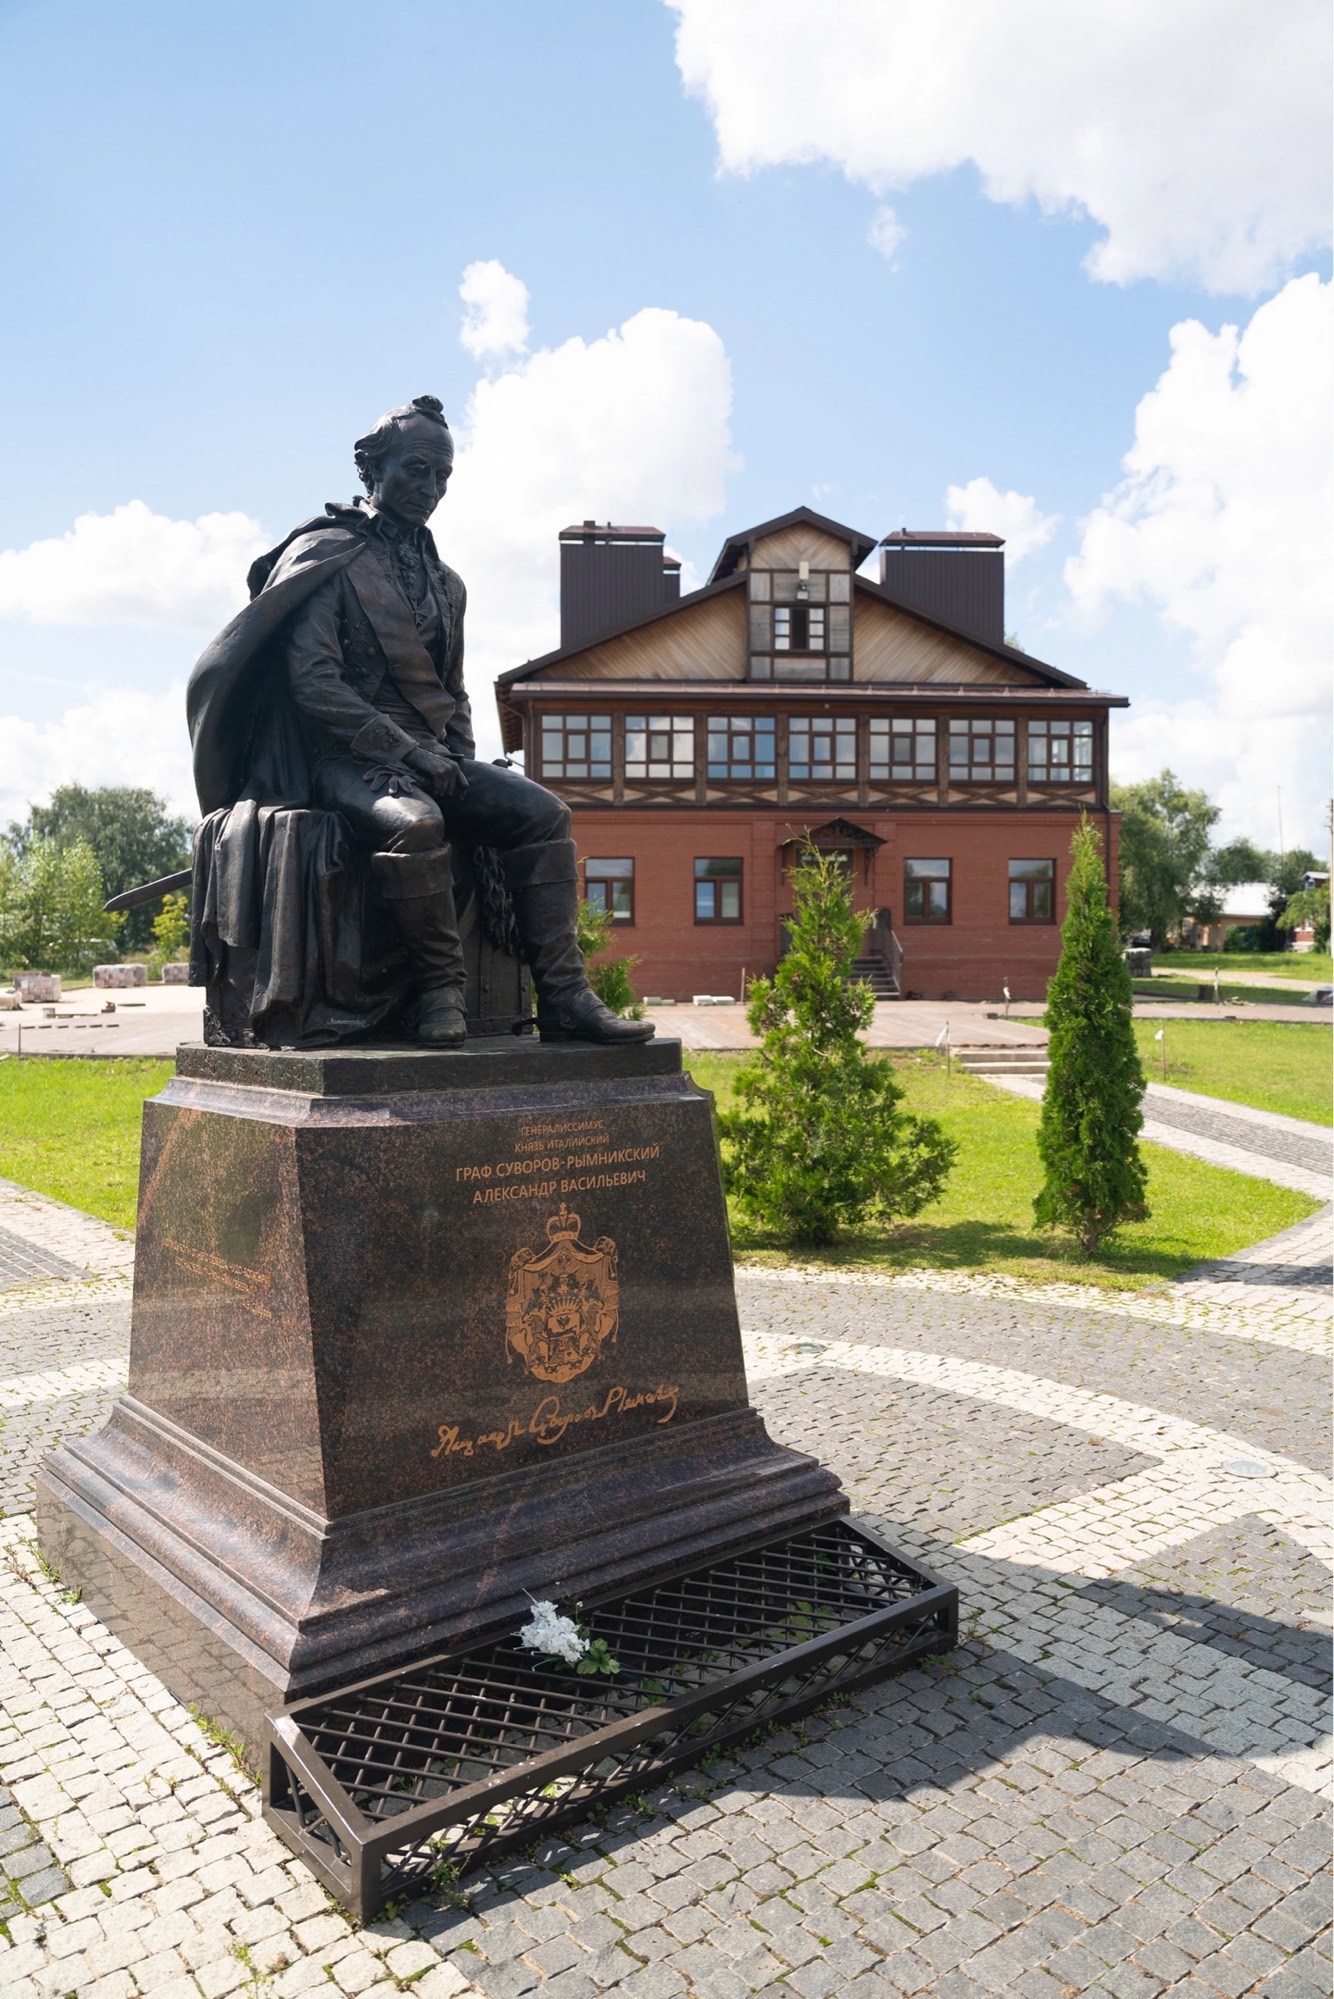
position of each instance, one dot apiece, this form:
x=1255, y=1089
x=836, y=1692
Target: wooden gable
x=800, y=542
x=703, y=641
x=889, y=645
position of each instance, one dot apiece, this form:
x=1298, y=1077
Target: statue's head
x=405, y=462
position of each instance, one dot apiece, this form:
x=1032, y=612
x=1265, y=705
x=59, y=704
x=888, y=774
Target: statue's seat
x=297, y=949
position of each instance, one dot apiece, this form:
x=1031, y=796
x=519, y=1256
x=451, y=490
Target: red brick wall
x=971, y=958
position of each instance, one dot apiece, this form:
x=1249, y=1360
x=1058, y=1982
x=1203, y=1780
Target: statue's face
x=414, y=472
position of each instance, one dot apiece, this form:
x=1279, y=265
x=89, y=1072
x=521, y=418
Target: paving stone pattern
x=1117, y=1784
x=1275, y=1139
x=22, y=1261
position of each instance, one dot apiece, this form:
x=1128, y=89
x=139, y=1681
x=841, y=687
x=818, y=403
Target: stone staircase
x=1007, y=1058
x=875, y=973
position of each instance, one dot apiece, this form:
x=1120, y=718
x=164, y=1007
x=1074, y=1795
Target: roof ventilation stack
x=958, y=578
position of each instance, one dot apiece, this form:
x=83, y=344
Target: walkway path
x=1286, y=1150
x=1114, y=1786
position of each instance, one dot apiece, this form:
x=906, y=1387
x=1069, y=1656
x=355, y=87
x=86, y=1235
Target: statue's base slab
x=466, y=1757
x=416, y=1336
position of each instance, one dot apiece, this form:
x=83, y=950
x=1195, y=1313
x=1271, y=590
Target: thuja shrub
x=609, y=977
x=1088, y=1137
x=818, y=1141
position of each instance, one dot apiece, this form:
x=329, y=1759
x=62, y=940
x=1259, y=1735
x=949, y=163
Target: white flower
x=548, y=1632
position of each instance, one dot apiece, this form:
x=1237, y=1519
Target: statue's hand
x=438, y=771
x=392, y=779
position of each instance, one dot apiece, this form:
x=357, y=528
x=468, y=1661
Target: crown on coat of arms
x=563, y=1227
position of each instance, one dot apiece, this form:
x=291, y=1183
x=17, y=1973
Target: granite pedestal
x=415, y=1335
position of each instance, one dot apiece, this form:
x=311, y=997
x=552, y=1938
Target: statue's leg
x=544, y=889
x=419, y=890
x=414, y=873
x=530, y=827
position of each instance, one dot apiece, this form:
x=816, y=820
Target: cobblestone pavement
x=1286, y=1150
x=1117, y=1784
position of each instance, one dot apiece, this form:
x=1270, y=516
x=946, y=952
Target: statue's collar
x=362, y=517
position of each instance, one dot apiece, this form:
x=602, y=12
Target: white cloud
x=1223, y=524
x=632, y=427
x=116, y=736
x=496, y=319
x=1196, y=134
x=979, y=508
x=885, y=233
x=133, y=564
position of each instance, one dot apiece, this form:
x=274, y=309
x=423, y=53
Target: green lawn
x=1229, y=992
x=1275, y=1065
x=1279, y=964
x=984, y=1219
x=71, y=1130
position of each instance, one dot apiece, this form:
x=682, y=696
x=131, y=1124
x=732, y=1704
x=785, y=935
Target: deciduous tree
x=51, y=915
x=129, y=829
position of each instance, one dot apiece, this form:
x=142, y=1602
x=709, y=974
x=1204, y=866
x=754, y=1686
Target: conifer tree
x=818, y=1140
x=1088, y=1136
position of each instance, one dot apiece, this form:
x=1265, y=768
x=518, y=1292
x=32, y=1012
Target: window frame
x=968, y=728
x=678, y=728
x=837, y=726
x=621, y=921
x=1049, y=729
x=888, y=728
x=737, y=725
x=927, y=917
x=594, y=772
x=717, y=882
x=1028, y=883
x=809, y=610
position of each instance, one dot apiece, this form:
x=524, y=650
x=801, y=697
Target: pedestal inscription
x=414, y=1334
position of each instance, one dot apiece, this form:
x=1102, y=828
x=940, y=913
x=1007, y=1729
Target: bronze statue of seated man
x=340, y=687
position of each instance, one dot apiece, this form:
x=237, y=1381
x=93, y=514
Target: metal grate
x=469, y=1755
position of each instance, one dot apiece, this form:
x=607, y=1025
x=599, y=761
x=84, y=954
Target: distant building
x=701, y=740
x=1243, y=908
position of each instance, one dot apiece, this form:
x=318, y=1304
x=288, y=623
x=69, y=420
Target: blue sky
x=234, y=233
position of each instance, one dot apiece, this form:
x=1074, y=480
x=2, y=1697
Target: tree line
x=60, y=864
x=1171, y=870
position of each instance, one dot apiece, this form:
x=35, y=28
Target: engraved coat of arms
x=562, y=1303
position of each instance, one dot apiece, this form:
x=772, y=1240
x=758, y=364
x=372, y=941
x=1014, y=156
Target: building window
x=1032, y=891
x=741, y=746
x=799, y=627
x=1060, y=752
x=576, y=746
x=718, y=891
x=610, y=886
x=926, y=891
x=982, y=751
x=822, y=749
x=659, y=746
x=903, y=750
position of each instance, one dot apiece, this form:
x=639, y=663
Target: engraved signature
x=551, y=1421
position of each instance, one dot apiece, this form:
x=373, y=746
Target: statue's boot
x=419, y=889
x=544, y=888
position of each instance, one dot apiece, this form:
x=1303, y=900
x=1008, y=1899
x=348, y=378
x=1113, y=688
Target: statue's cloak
x=285, y=933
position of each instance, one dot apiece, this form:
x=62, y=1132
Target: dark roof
x=741, y=544
x=940, y=538
x=607, y=531
x=1010, y=654
x=665, y=610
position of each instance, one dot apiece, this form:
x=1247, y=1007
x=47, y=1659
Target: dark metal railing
x=460, y=1758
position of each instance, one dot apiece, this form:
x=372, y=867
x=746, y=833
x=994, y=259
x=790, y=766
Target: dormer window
x=799, y=627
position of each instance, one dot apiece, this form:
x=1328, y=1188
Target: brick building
x=700, y=740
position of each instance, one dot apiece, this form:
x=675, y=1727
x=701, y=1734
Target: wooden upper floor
x=789, y=679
